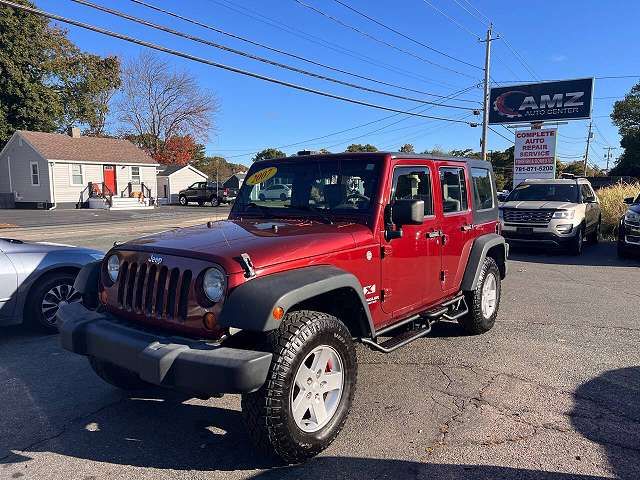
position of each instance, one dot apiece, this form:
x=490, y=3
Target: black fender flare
x=87, y=283
x=250, y=305
x=479, y=251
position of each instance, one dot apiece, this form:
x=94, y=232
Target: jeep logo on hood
x=153, y=259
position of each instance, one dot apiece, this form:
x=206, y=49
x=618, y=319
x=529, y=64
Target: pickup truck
x=201, y=192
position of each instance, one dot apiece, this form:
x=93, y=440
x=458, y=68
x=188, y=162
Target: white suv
x=562, y=213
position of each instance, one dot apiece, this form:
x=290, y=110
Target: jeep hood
x=267, y=242
x=537, y=205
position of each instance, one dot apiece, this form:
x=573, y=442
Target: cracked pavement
x=552, y=392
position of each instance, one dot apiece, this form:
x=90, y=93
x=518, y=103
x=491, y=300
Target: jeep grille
x=154, y=290
x=538, y=217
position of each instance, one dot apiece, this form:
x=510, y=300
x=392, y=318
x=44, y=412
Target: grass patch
x=613, y=206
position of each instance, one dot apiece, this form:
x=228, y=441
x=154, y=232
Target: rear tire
x=117, y=376
x=594, y=238
x=483, y=301
x=314, y=366
x=622, y=251
x=215, y=201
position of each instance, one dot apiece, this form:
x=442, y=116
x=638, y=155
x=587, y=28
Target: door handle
x=467, y=227
x=434, y=234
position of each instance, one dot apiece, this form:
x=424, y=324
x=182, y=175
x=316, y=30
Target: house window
x=35, y=174
x=135, y=175
x=76, y=174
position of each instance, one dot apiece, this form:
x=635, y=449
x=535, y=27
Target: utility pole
x=608, y=157
x=485, y=113
x=586, y=153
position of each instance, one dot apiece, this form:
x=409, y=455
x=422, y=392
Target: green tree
x=357, y=147
x=47, y=83
x=467, y=153
x=268, y=153
x=437, y=150
x=626, y=116
x=218, y=167
x=407, y=148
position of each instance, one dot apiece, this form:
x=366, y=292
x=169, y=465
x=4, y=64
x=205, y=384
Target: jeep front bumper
x=192, y=366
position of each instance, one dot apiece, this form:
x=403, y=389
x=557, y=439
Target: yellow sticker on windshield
x=261, y=176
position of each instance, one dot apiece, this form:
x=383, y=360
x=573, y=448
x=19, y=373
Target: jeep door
x=456, y=215
x=411, y=263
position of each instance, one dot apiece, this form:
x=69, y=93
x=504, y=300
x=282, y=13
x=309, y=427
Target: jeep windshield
x=544, y=192
x=309, y=187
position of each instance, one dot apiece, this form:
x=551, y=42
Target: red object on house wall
x=109, y=175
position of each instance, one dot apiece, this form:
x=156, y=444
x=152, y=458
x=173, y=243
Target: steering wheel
x=356, y=197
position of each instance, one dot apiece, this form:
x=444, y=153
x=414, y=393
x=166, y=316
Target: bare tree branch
x=159, y=102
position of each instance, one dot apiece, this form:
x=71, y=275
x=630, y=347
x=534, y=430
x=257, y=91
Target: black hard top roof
x=400, y=155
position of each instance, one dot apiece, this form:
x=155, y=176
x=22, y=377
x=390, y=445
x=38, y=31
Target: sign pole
x=485, y=116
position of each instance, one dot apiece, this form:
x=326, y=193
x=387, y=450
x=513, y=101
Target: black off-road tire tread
x=117, y=376
x=474, y=322
x=260, y=408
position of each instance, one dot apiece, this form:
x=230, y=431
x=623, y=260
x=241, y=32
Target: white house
x=173, y=178
x=48, y=170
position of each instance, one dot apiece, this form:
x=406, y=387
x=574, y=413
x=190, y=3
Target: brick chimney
x=74, y=132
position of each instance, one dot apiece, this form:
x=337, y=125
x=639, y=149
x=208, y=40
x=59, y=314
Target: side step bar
x=398, y=341
x=449, y=310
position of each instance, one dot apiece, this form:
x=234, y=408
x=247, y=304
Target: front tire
x=577, y=244
x=215, y=201
x=117, y=376
x=484, y=300
x=183, y=200
x=307, y=396
x=45, y=298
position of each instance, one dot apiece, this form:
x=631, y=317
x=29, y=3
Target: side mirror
x=629, y=200
x=590, y=199
x=407, y=212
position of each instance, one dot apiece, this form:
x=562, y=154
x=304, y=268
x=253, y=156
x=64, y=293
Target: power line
x=322, y=42
x=378, y=40
x=289, y=54
x=500, y=135
x=307, y=141
x=403, y=35
x=215, y=64
x=257, y=58
x=452, y=20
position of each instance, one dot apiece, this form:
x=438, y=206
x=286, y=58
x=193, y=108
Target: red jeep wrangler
x=371, y=248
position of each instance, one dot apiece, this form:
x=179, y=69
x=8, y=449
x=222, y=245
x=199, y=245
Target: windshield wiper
x=312, y=208
x=266, y=211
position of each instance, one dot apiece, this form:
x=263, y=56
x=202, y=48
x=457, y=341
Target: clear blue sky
x=557, y=39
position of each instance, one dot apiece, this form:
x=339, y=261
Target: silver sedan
x=36, y=277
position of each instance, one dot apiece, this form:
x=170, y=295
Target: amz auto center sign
x=541, y=102
x=534, y=154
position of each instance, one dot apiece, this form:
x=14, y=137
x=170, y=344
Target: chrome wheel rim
x=317, y=390
x=489, y=295
x=52, y=299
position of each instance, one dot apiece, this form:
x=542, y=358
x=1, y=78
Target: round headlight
x=113, y=267
x=214, y=283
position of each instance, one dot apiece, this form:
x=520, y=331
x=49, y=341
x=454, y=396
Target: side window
x=482, y=188
x=413, y=183
x=586, y=192
x=454, y=190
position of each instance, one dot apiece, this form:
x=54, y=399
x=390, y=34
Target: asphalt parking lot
x=552, y=392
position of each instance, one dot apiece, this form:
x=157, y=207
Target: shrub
x=612, y=203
